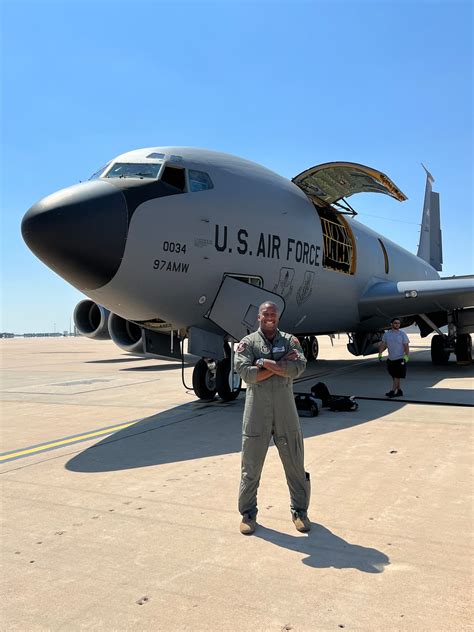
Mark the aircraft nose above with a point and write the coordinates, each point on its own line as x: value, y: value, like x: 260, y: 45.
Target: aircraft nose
x: 79, y: 232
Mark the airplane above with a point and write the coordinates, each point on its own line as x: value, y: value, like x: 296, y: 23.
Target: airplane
x: 171, y: 243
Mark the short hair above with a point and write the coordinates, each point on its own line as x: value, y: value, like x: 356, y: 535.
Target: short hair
x: 394, y: 319
x: 262, y: 305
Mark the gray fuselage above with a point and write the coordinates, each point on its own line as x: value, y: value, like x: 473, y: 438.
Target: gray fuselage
x: 252, y: 223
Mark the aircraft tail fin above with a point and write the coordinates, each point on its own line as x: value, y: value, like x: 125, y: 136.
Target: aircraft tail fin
x: 430, y: 247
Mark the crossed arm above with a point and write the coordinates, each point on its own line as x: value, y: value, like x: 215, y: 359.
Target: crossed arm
x: 290, y: 365
x: 280, y: 367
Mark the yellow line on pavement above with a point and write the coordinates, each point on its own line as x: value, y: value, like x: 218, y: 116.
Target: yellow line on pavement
x: 55, y: 444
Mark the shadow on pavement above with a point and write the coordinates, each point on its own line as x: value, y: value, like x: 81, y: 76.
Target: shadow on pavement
x: 196, y: 430
x: 327, y: 550
x: 201, y: 429
x: 115, y: 360
x: 155, y: 367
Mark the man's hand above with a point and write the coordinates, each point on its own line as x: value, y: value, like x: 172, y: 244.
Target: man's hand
x: 291, y: 355
x: 280, y: 367
x: 263, y: 374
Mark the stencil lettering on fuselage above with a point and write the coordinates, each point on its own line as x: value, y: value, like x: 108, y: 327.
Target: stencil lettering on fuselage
x: 266, y: 246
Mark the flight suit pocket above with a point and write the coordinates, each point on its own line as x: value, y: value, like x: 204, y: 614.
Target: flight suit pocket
x: 251, y: 426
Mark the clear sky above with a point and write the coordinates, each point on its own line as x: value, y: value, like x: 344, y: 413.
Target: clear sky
x: 286, y: 84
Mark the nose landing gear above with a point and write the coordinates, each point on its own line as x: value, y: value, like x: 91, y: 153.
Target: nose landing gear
x: 211, y: 377
x: 204, y: 379
x: 228, y: 382
x: 310, y: 347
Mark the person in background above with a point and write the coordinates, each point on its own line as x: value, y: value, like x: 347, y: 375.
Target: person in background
x: 397, y: 343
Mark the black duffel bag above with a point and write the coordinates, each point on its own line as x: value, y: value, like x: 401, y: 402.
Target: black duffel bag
x: 336, y: 403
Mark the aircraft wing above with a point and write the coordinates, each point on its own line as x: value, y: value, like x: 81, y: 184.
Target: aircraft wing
x: 405, y: 298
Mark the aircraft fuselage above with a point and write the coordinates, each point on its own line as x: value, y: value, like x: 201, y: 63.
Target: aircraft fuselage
x: 251, y: 223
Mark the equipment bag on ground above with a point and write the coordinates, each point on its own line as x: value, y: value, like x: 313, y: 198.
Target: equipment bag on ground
x: 336, y: 403
x: 305, y: 402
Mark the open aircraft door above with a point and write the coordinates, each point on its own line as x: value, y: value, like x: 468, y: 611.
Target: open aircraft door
x: 331, y: 184
x: 332, y: 181
x: 236, y: 304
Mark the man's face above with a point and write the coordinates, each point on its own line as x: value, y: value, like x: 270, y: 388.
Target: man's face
x: 268, y: 318
x: 396, y: 324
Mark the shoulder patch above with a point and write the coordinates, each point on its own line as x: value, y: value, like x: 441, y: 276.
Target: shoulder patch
x: 294, y: 340
x: 241, y: 346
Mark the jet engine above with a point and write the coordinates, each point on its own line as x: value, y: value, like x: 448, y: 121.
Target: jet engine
x: 125, y: 334
x: 91, y: 320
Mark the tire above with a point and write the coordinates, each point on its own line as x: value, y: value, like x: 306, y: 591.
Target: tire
x: 313, y: 348
x: 304, y: 342
x: 224, y: 389
x: 439, y: 354
x: 463, y: 348
x: 204, y: 385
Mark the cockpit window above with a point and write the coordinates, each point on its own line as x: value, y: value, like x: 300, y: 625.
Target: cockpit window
x: 199, y: 181
x: 99, y: 172
x: 175, y: 177
x: 134, y: 170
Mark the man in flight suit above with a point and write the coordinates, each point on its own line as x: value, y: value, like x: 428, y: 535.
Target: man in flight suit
x: 268, y: 361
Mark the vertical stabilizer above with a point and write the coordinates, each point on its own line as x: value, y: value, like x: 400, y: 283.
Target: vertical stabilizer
x: 430, y: 247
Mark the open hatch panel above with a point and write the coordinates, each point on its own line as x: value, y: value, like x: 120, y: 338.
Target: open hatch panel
x: 331, y: 183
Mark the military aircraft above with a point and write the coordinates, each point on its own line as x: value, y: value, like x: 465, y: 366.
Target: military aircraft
x: 177, y: 242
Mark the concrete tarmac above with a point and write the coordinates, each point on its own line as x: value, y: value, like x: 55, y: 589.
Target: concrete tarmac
x: 119, y: 494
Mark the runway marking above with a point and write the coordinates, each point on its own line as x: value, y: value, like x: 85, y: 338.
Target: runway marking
x: 12, y: 455
x: 43, y: 447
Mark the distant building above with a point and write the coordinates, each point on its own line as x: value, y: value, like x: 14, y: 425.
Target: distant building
x: 56, y: 334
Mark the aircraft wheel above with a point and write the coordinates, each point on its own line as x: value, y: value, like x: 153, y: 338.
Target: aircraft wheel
x: 228, y: 387
x: 439, y: 353
x: 204, y: 381
x: 313, y: 348
x: 463, y: 349
x: 304, y: 342
x: 313, y: 410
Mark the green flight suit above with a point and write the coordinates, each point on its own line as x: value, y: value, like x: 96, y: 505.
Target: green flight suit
x: 270, y: 410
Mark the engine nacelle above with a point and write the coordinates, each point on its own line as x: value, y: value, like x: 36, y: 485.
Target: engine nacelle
x: 126, y: 335
x: 91, y: 320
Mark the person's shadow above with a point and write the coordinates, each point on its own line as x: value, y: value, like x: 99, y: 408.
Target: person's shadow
x: 326, y: 550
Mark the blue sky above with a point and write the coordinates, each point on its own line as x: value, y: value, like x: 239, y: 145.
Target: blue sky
x: 286, y: 84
